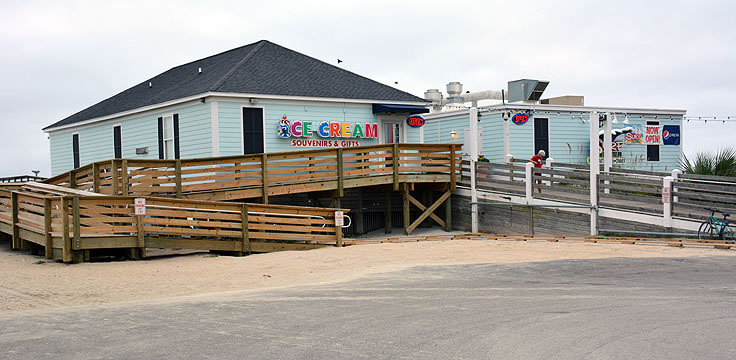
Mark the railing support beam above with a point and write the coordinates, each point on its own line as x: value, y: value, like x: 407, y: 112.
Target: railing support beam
x: 246, y: 241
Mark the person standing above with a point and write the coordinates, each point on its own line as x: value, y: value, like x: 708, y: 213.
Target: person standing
x: 537, y: 160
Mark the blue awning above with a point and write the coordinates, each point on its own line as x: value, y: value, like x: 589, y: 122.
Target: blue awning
x: 406, y: 109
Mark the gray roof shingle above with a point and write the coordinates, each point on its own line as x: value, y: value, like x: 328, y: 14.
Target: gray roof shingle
x: 260, y: 68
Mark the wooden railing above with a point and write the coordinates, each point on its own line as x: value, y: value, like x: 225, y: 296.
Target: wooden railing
x: 73, y: 224
x: 264, y: 175
x: 501, y: 177
x: 694, y: 196
x: 619, y: 189
x: 565, y: 184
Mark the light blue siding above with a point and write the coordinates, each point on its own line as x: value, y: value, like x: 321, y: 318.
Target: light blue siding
x: 195, y: 131
x: 140, y: 132
x: 491, y: 126
x: 95, y: 144
x: 521, y: 139
x: 229, y: 118
x: 437, y: 131
x: 96, y: 141
x: 568, y: 138
x: 412, y: 134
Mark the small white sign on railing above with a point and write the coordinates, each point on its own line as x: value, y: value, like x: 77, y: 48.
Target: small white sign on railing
x: 140, y: 206
x: 666, y: 195
x: 339, y: 218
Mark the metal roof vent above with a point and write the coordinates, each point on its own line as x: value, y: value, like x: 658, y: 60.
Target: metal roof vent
x: 526, y: 90
x: 199, y: 70
x: 150, y: 84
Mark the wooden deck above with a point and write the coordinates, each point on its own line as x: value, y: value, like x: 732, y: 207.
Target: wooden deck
x: 92, y: 208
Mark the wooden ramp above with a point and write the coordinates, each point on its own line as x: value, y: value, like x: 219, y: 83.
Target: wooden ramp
x: 69, y: 223
x: 189, y: 202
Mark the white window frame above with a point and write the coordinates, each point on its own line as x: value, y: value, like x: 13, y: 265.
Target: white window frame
x: 263, y: 122
x: 659, y: 147
x: 121, y: 139
x: 165, y: 139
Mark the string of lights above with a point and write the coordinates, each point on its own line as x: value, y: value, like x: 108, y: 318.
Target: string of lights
x: 714, y: 119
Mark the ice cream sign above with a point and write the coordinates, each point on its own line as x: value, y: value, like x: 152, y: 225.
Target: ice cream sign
x: 340, y: 134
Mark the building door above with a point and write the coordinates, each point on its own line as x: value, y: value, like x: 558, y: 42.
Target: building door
x: 391, y: 132
x: 252, y: 130
x: 541, y: 135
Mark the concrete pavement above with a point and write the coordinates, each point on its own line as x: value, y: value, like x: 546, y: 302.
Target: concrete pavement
x: 584, y: 309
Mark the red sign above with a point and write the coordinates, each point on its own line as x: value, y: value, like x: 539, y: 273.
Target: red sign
x: 520, y: 119
x: 415, y: 121
x: 339, y: 218
x: 140, y: 206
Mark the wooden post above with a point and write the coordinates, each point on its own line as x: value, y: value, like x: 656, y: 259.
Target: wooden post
x: 246, y: 241
x: 511, y: 170
x: 72, y: 179
x: 15, y: 241
x: 405, y: 201
x: 340, y: 190
x: 115, y: 180
x: 359, y: 226
x: 96, y: 177
x: 264, y: 177
x: 448, y: 213
x: 66, y: 251
x: 395, y: 158
x: 141, y: 236
x: 49, y: 250
x: 178, y: 178
x: 126, y: 177
x: 452, y: 167
x: 388, y: 213
x: 76, y: 226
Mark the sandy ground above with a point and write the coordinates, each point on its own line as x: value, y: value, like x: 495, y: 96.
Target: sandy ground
x: 30, y: 283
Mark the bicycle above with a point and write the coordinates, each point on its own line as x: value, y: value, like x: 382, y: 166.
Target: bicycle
x: 713, y: 228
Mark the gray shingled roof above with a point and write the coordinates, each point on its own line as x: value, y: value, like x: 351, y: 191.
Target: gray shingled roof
x: 259, y: 68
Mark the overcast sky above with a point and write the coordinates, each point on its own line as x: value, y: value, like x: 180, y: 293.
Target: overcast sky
x: 59, y: 57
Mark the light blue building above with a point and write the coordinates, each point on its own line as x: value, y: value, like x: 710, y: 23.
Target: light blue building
x: 257, y: 98
x: 524, y: 123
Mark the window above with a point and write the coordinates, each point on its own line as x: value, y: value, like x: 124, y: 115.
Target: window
x: 117, y: 140
x: 653, y: 150
x: 541, y: 135
x: 168, y: 137
x: 252, y: 130
x: 75, y: 150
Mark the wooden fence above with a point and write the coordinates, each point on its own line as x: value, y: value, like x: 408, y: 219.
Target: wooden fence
x: 67, y: 226
x: 264, y: 175
x: 500, y: 177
